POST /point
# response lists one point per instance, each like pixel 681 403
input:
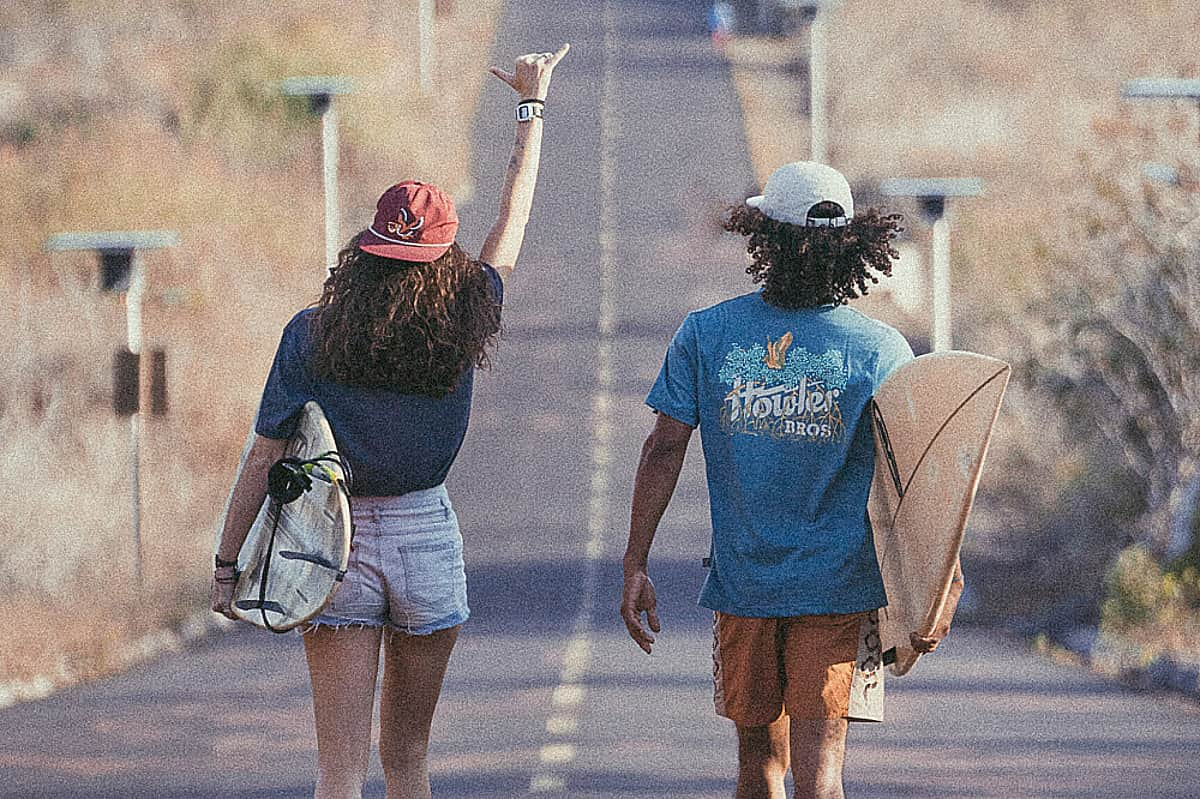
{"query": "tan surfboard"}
pixel 933 420
pixel 295 555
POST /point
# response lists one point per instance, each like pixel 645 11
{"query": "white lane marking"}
pixel 575 662
pixel 547 783
pixel 562 725
pixel 568 697
pixel 557 753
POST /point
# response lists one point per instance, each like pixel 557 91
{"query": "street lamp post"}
pixel 932 194
pixel 1163 89
pixel 1183 521
pixel 815 13
pixel 427 45
pixel 320 92
pixel 122 271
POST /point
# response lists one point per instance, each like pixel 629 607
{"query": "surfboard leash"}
pixel 888 452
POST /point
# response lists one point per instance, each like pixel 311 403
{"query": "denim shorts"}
pixel 406 566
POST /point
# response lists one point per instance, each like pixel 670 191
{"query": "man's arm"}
pixel 657 474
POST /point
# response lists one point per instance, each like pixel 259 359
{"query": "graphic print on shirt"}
pixel 787 394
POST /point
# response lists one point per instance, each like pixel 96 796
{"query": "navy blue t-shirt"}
pixel 395 442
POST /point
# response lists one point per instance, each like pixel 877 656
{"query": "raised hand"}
pixel 530 77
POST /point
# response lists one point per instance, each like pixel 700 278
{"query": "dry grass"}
pixel 146 115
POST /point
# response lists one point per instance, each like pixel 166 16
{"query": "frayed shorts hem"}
pixel 453 620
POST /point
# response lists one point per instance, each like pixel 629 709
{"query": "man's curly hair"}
pixel 803 267
pixel 401 325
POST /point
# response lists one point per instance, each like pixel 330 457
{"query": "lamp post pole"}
pixel 427 45
pixel 816 75
pixel 815 13
pixel 940 259
pixel 329 180
pixel 320 92
pixel 123 271
pixel 932 194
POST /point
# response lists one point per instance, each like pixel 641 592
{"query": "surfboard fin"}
pixel 314 559
pixel 254 604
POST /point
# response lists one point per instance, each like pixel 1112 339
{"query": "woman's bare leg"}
pixel 343 665
pixel 414 667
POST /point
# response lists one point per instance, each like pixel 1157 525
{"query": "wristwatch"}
pixel 528 110
pixel 223 564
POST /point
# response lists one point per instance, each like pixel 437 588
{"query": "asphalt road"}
pixel 545 694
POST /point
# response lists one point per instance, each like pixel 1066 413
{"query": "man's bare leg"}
pixel 762 760
pixel 818 749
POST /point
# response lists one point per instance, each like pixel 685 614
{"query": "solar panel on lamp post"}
pixel 815 14
pixel 122 271
pixel 1163 174
pixel 1164 89
pixel 932 194
pixel 320 92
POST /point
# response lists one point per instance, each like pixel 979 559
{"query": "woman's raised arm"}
pixel 530 79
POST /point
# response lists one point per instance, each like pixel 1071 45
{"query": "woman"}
pixel 389 352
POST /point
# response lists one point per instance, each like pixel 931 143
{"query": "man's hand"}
pixel 923 645
pixel 636 598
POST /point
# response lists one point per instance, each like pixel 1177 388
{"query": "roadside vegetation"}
pixel 143 115
pixel 1074 266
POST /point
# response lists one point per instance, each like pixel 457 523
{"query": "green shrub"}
pixel 1151 603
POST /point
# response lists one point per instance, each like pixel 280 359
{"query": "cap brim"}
pixel 419 253
pixel 755 201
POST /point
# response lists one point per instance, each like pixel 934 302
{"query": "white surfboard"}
pixel 295 555
pixel 933 422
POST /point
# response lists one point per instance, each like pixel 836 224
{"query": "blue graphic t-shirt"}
pixel 396 443
pixel 782 400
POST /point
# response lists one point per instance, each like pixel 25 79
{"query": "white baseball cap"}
pixel 793 189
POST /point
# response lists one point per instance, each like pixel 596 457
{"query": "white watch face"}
pixel 527 112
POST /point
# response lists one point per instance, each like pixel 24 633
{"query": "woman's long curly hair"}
pixel 401 325
pixel 803 267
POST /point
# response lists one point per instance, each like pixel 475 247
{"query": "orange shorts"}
pixel 799 665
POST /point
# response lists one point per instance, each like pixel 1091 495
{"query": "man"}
pixel 780 382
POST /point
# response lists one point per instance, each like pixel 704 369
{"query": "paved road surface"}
pixel 545 694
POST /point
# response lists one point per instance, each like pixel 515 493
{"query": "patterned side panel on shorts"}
pixel 718 676
pixel 866 688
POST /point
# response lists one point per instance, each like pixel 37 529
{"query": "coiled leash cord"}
pixel 287 480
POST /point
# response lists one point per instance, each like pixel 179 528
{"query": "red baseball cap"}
pixel 414 221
